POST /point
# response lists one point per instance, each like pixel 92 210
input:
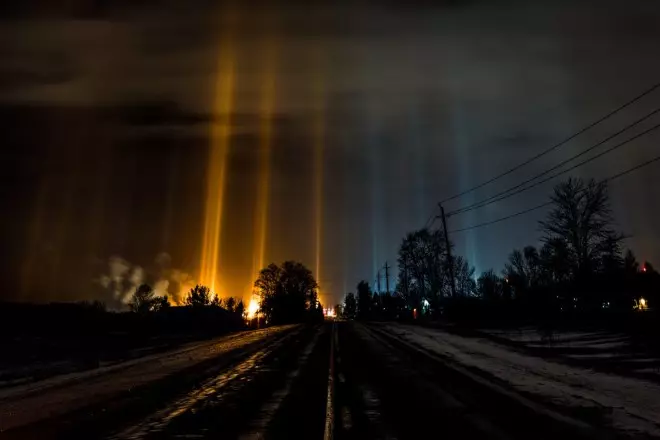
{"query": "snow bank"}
pixel 631 405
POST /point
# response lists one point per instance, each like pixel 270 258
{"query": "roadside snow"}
pixel 533 338
pixel 631 405
pixel 591 349
pixel 29 403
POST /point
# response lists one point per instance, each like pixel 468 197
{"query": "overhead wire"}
pixel 519 188
pixel 606 180
pixel 555 146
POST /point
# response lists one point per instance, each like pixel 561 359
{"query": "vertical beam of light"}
pixel 461 144
pixel 37 220
pixel 376 194
pixel 172 182
pixel 216 168
pixel 265 145
pixel 319 147
pixel 347 250
pixel 421 206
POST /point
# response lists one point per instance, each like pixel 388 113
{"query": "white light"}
pixel 253 308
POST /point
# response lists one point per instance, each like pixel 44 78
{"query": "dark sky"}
pixel 338 128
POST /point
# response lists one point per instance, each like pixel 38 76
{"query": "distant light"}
pixel 253 308
pixel 640 304
pixel 644 268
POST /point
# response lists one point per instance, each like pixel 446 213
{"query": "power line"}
pixel 510 193
pixel 554 147
pixel 630 170
pixel 479 225
pixel 609 179
pixel 559 165
pixel 430 221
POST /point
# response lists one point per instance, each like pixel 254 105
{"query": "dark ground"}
pixel 382 388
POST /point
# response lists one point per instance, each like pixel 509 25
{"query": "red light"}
pixel 643 268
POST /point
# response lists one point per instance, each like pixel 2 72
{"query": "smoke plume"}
pixel 123 277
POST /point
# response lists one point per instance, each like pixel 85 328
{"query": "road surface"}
pixel 342 380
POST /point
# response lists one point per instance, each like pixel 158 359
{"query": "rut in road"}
pixel 242 401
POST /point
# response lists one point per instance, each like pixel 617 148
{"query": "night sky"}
pixel 312 132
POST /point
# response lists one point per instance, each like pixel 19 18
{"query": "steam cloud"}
pixel 123 277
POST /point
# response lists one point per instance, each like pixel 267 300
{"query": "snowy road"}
pixel 45 405
pixel 341 380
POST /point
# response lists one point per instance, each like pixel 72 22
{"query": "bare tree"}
pixel 581 222
pixel 422 258
pixel 523 271
pixel 142 300
pixel 489 286
pixel 464 276
pixel 160 303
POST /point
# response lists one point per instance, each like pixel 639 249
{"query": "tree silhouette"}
pixel 555 262
pixel 630 263
pixel 216 301
pixel 288 293
pixel 160 303
pixel 464 277
pixel 489 286
pixel 364 300
pixel 199 296
pixel 523 272
pixel 581 222
pixel 268 281
pixel 424 275
pixel 350 306
pixel 230 303
pixel 239 308
pixel 142 299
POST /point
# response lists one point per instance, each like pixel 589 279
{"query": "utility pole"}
pixel 449 259
pixel 387 278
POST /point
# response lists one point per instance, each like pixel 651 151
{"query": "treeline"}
pixel 84 335
pixel 368 305
pixel 579 268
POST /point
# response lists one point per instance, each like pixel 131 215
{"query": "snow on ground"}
pixel 29 403
pixel 631 405
pixel 609 350
pixel 532 336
